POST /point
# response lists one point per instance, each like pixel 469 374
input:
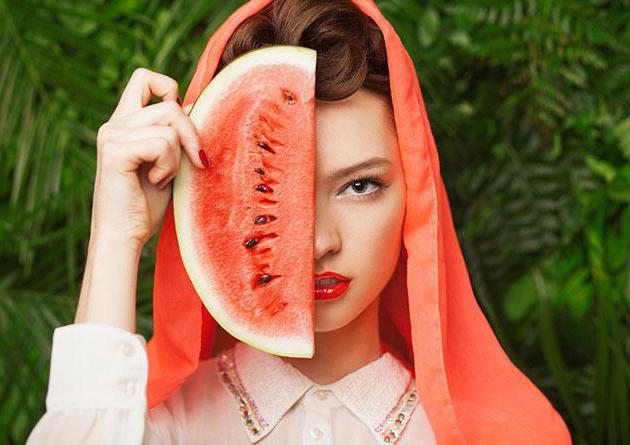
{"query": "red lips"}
pixel 331 275
pixel 331 291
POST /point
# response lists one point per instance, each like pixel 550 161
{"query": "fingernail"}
pixel 204 159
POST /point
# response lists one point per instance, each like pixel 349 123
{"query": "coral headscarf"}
pixel 429 317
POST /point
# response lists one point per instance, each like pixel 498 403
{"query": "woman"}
pixel 405 356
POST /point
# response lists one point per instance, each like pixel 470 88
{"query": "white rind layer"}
pixel 301 57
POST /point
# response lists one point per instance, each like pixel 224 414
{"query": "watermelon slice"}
pixel 245 225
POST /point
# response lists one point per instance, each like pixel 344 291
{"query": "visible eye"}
pixel 361 186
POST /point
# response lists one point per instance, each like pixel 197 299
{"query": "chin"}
pixel 325 324
pixel 329 327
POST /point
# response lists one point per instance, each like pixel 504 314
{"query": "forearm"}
pixel 87 274
pixel 108 291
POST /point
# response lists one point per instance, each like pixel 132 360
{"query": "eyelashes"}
pixel 379 186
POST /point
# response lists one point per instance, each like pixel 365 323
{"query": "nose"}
pixel 327 240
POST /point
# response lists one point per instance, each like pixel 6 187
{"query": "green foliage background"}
pixel 528 102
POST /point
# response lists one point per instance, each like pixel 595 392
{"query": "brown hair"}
pixel 350 46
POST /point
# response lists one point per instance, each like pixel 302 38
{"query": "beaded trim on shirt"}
pixel 390 429
pixel 250 416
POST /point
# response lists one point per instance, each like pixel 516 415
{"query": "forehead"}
pixel 353 129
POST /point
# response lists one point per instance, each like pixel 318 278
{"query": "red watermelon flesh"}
pixel 245 225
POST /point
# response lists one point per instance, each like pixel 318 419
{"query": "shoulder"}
pixel 198 408
pixel 202 390
pixel 485 422
pixel 204 385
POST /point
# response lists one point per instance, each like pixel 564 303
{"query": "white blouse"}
pixel 96 395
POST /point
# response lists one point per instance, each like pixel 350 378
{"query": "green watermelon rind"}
pixel 302 57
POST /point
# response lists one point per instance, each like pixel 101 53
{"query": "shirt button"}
pixel 316 433
pixel 128 387
pixel 127 349
pixel 321 394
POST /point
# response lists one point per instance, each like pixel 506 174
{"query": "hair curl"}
pixel 350 47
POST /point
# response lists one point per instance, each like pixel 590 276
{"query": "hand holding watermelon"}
pixel 139 152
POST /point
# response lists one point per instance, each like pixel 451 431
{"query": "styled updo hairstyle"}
pixel 350 47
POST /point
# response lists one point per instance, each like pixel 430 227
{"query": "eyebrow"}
pixel 376 161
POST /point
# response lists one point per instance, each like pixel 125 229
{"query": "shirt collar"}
pixel 265 387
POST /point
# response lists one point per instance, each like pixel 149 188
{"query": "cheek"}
pixel 371 246
pixel 372 231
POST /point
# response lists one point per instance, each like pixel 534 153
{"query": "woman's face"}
pixel 358 222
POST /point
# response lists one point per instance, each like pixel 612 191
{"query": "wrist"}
pixel 110 292
pixel 121 244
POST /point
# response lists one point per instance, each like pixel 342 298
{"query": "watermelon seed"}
pixel 259 170
pixel 263 188
pixel 288 97
pixel 264 278
pixel 251 242
pixel 266 147
pixel 261 219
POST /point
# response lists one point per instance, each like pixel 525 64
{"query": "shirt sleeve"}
pixel 97 391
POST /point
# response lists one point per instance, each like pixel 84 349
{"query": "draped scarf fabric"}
pixel 429 317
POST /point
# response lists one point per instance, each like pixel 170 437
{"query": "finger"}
pixel 169 113
pixel 187 109
pixel 164 182
pixel 127 156
pixel 142 85
pixel 121 135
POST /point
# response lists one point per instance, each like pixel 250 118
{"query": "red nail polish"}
pixel 204 159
